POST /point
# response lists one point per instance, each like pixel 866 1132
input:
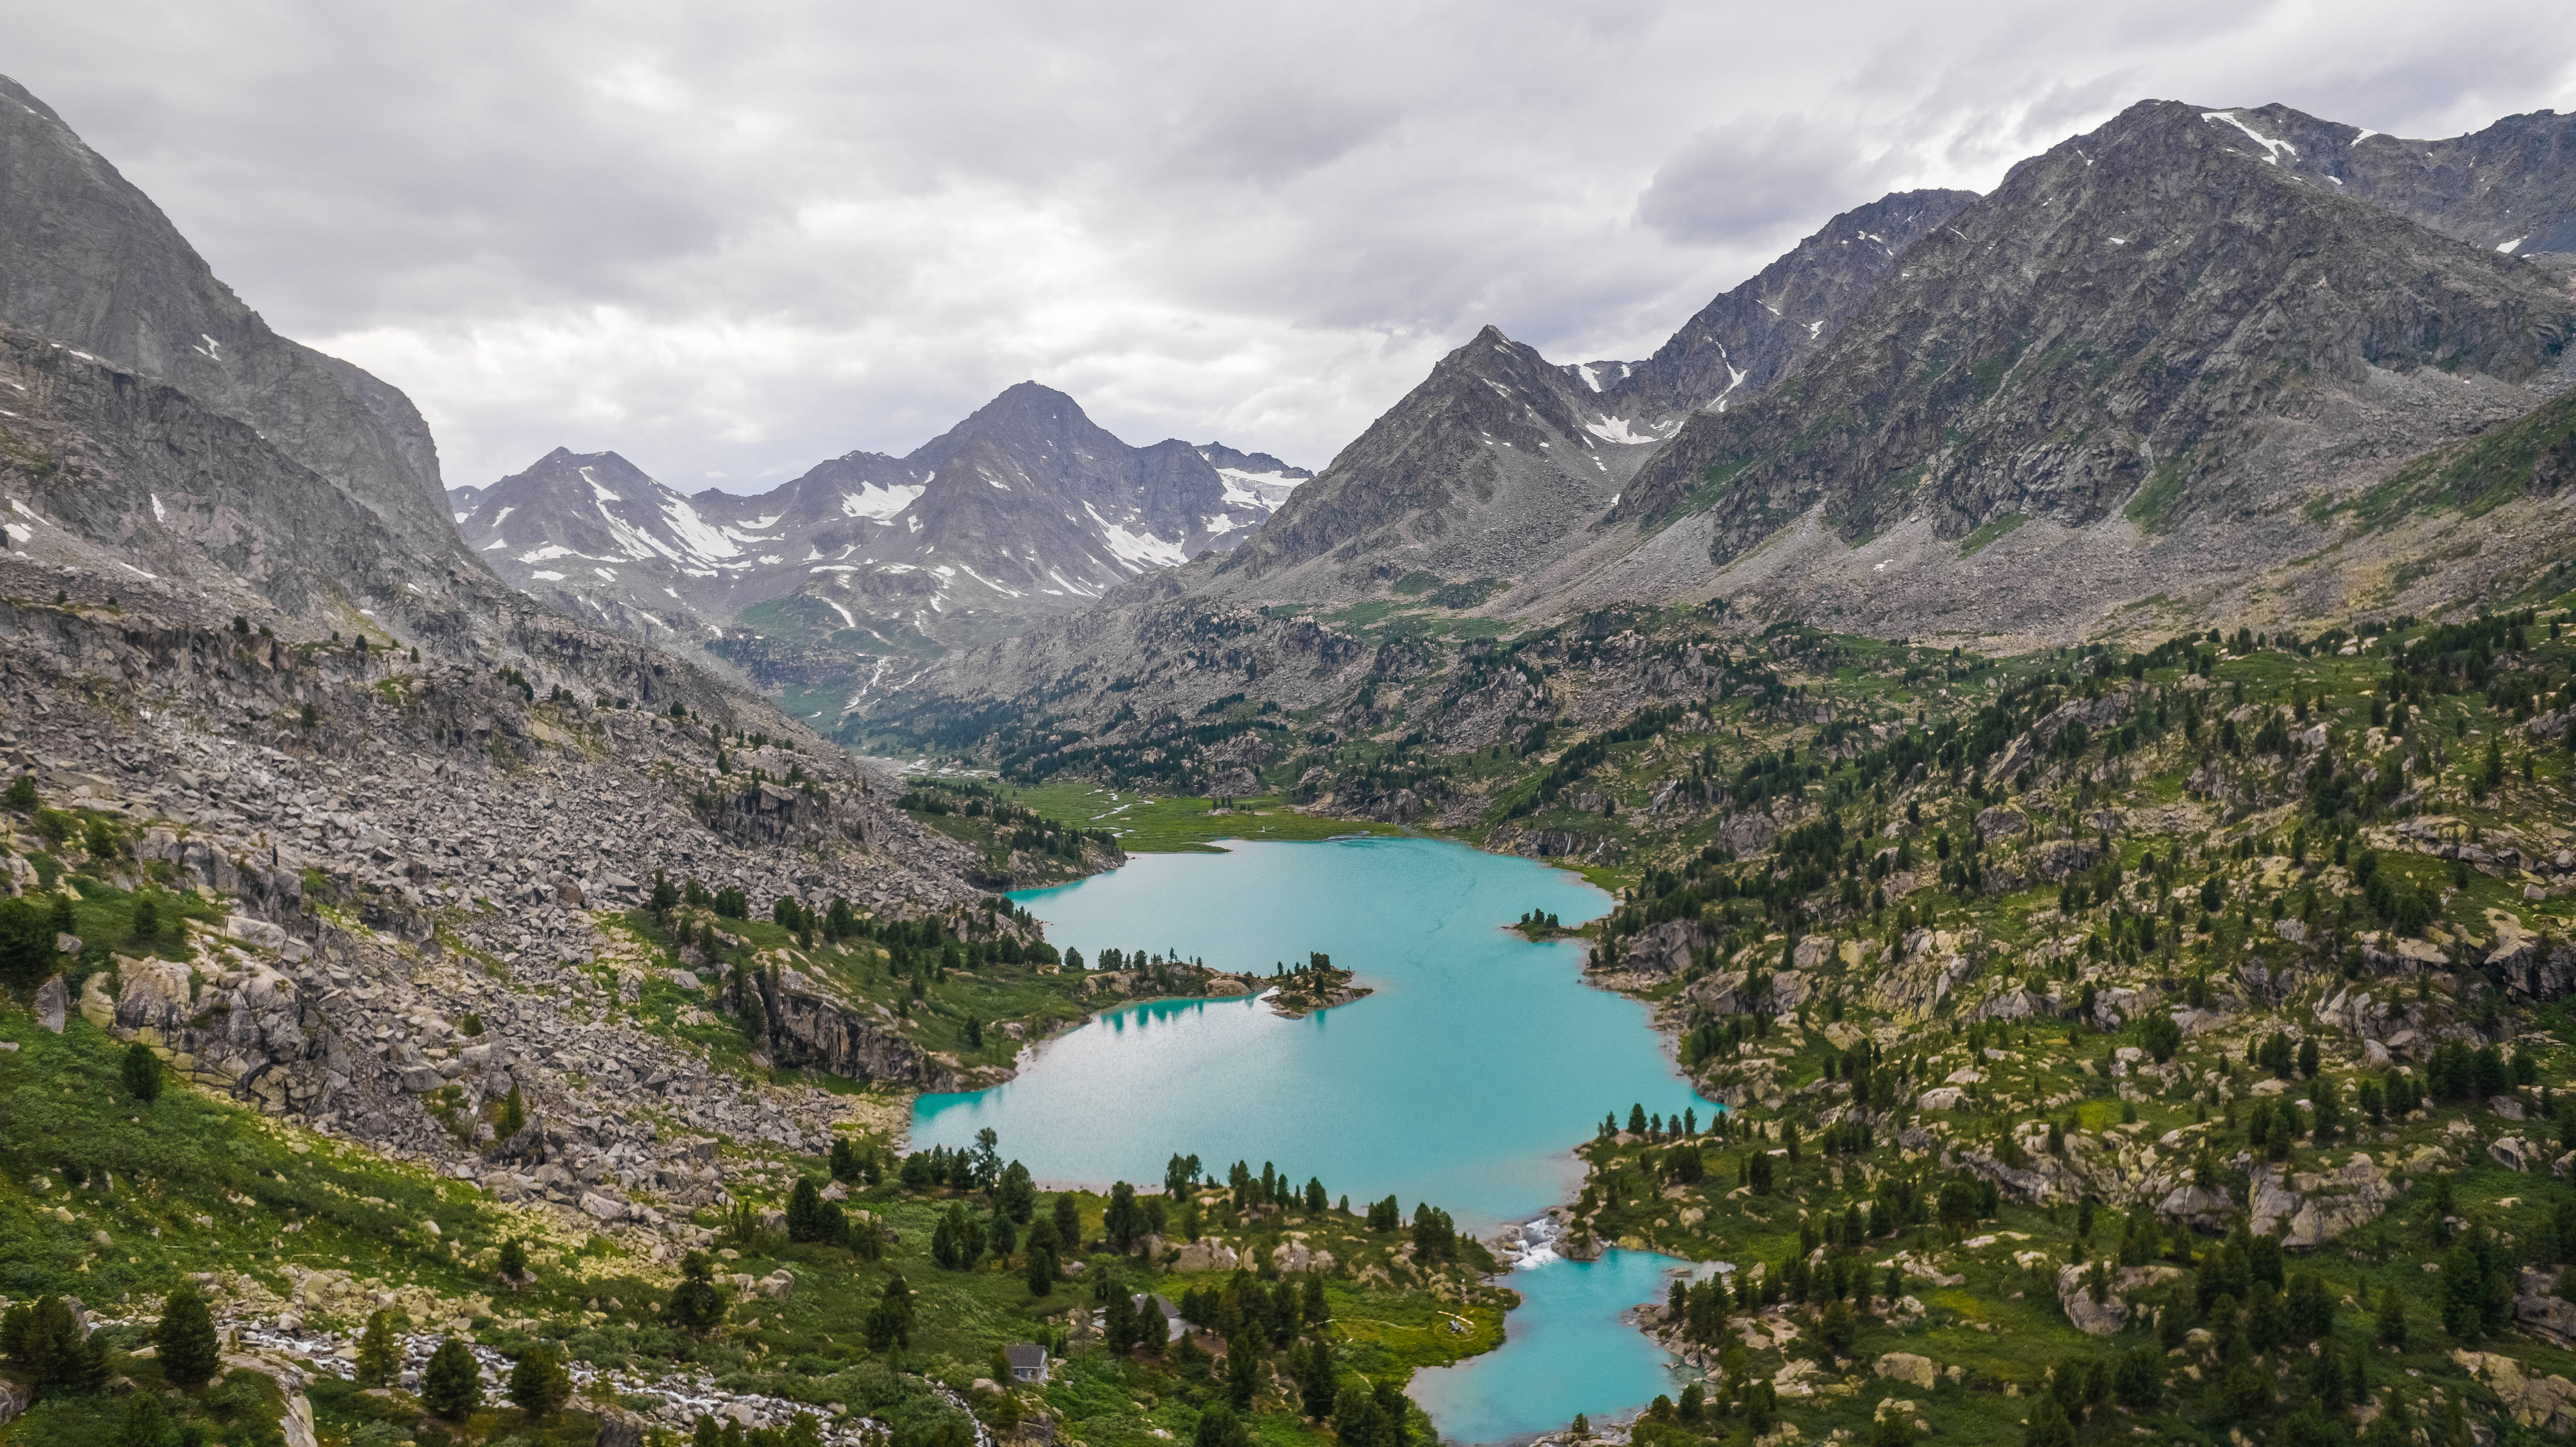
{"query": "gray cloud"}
pixel 1751 177
pixel 733 240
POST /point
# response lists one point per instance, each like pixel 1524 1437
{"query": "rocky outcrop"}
pixel 2532 968
pixel 2309 1208
pixel 1206 1254
pixel 1748 834
pixel 2107 1316
pixel 1657 952
pixel 1907 1367
pixel 2540 1310
pixel 2547 1403
pixel 2093 1318
pixel 1929 967
pixel 810 1031
pixel 2375 1016
pixel 771 814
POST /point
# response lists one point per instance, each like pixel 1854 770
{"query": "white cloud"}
pixel 730 241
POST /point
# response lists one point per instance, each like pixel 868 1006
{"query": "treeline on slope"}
pixel 1742 902
pixel 1016 825
pixel 990 1260
pixel 2284 1356
pixel 1275 1323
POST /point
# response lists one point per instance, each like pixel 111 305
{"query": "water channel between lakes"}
pixel 1464 1080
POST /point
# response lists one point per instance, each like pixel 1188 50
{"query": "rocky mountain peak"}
pixel 2128 305
pixel 1756 333
pixel 1497 443
pixel 2510 187
pixel 88 261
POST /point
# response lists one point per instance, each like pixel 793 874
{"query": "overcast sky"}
pixel 731 240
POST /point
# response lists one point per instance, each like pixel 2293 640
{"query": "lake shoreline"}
pixel 1454 988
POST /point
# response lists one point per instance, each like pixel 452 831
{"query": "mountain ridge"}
pixel 88 260
pixel 1971 440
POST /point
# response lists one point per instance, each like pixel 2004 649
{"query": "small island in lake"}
pixel 1541 925
pixel 1315 985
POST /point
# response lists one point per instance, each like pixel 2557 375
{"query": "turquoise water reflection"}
pixel 1464 1081
pixel 1568 1350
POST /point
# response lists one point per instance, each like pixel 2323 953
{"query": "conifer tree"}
pixel 44 1341
pixel 810 1217
pixel 190 1351
pixel 146 1422
pixel 889 1322
pixel 539 1384
pixel 697 1303
pixel 142 1072
pixel 514 1116
pixel 514 1262
pixel 1124 1220
pixel 1220 1427
pixel 379 1360
pixel 451 1386
pixel 1242 1372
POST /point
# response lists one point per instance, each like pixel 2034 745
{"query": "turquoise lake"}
pixel 1464 1081
pixel 1566 1350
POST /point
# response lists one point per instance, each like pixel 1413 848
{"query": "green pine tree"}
pixel 379 1356
pixel 191 1353
pixel 889 1322
pixel 44 1341
pixel 146 1423
pixel 514 1262
pixel 451 1386
pixel 539 1384
pixel 142 1071
pixel 697 1303
pixel 514 1116
pixel 2392 1320
pixel 1220 1427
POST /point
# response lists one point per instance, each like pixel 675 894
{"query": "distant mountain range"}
pixel 2195 364
pixel 1025 509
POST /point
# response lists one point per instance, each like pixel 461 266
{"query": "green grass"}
pixel 273 1196
pixel 1168 824
pixel 2474 477
pixel 2162 490
pixel 156 1168
pixel 2002 527
pixel 989 994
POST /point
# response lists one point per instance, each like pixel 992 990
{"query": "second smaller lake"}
pixel 1568 1349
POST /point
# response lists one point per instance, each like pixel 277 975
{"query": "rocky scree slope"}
pixel 404 846
pixel 239 636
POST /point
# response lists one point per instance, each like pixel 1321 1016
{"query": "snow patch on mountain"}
pixel 880 503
